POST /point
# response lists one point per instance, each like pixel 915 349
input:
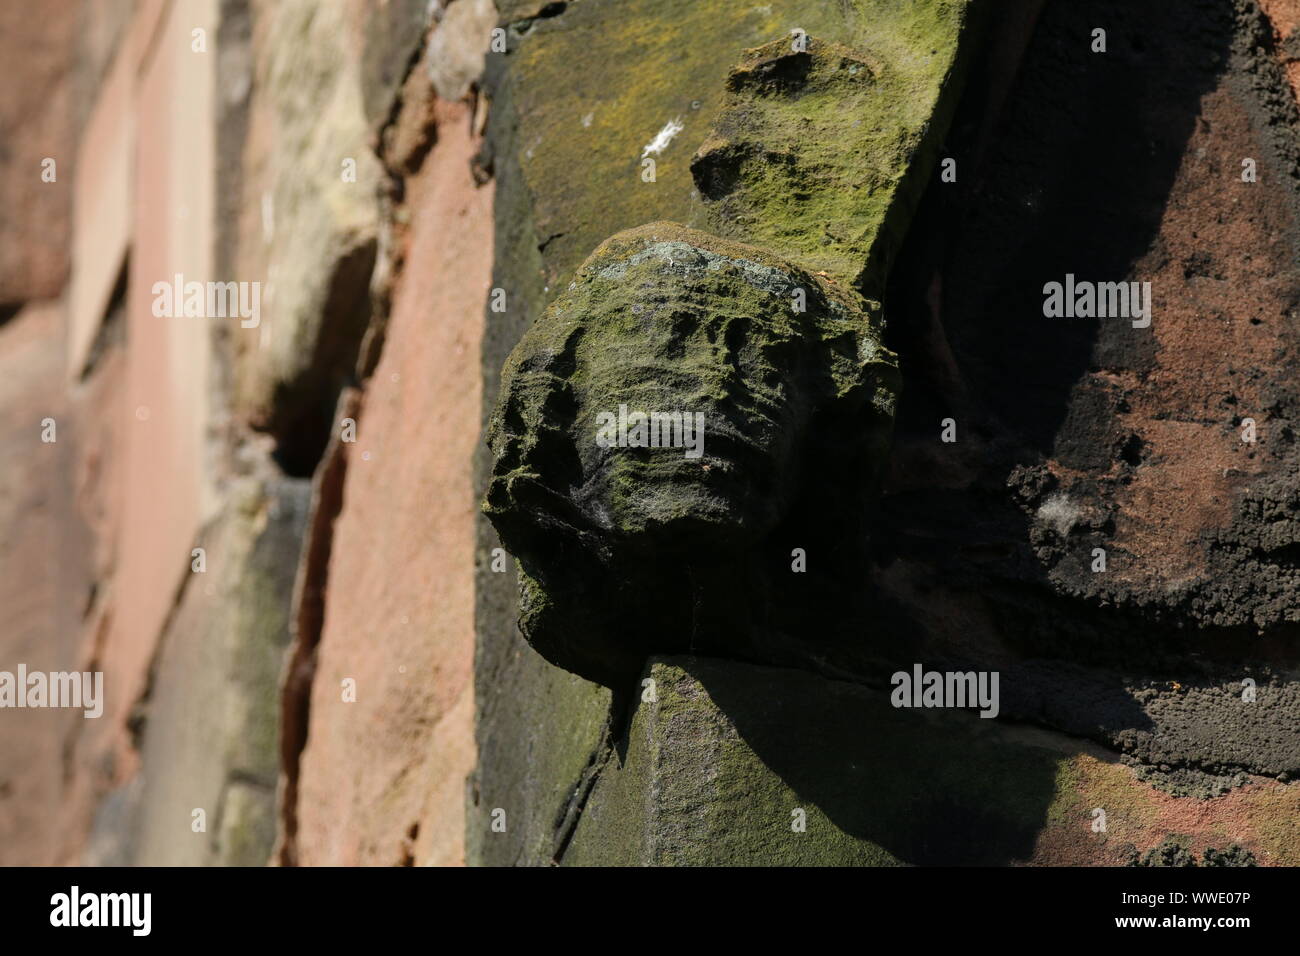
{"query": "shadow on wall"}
pixel 930 788
pixel 1077 181
pixel 1084 159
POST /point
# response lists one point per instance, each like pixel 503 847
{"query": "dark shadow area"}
pixel 305 408
pixel 1072 177
pixel 112 330
pixel 1076 181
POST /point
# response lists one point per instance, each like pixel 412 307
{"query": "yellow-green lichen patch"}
pixel 1275 816
pixel 808 152
pixel 591 89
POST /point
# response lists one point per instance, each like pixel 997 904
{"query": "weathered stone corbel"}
pixel 635 538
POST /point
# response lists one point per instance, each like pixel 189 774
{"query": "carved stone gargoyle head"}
pixel 686 414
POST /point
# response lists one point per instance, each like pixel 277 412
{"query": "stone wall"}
pixel 363 590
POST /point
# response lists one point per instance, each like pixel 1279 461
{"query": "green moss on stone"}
pixel 590 89
pixel 575 104
pixel 812 143
pixel 717 765
pixel 780 377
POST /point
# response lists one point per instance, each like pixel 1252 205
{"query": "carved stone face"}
pixel 665 412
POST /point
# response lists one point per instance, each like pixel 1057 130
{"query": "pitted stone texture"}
pixel 1203 725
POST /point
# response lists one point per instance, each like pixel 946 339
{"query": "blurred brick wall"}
pixel 237 140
